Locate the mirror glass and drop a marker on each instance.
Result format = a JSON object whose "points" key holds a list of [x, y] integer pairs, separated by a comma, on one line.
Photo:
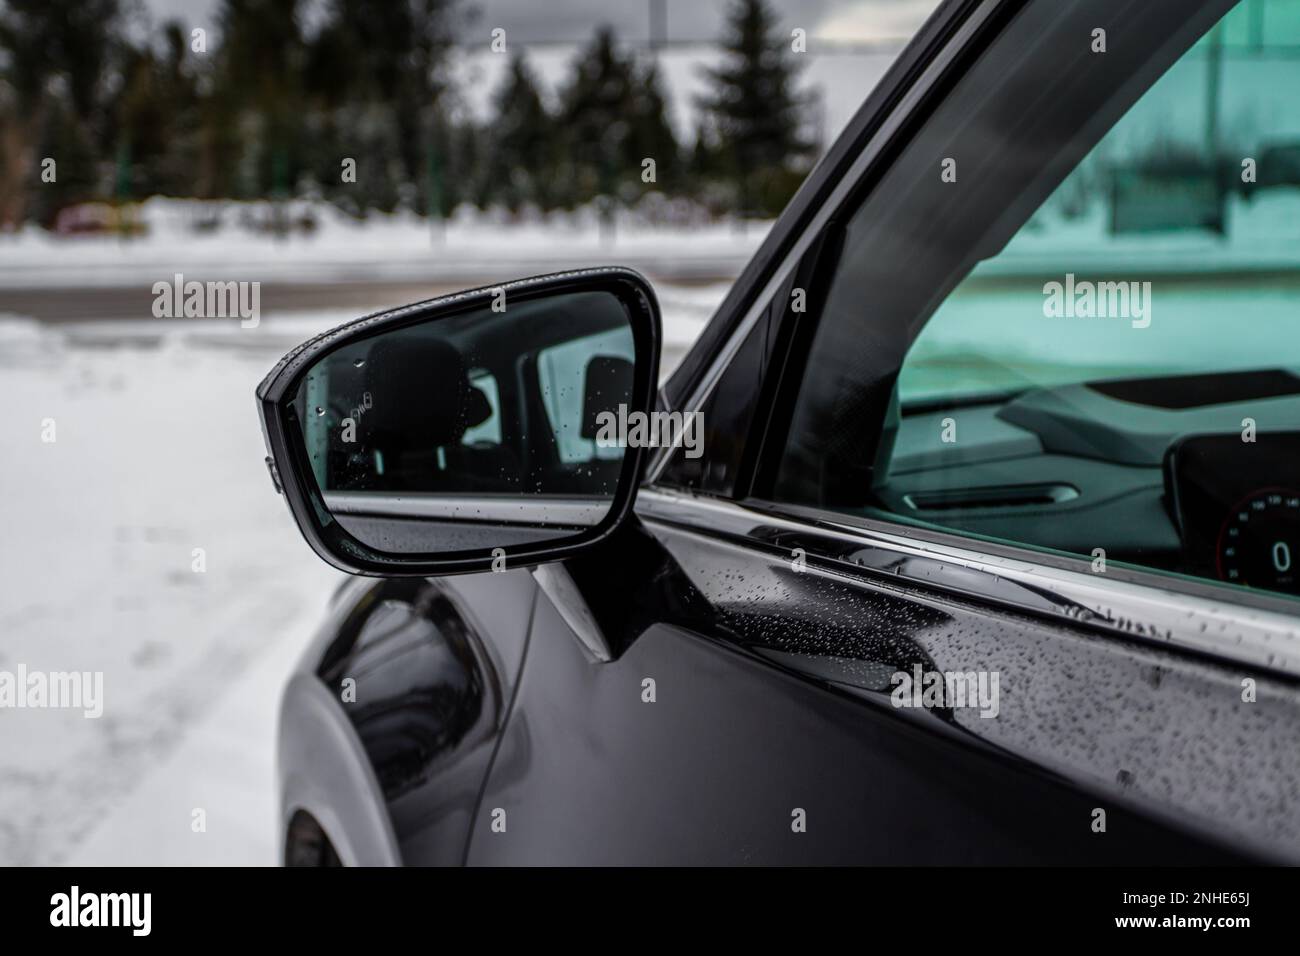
{"points": [[476, 430]]}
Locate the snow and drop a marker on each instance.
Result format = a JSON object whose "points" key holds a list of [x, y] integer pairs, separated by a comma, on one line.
{"points": [[383, 247], [157, 452]]}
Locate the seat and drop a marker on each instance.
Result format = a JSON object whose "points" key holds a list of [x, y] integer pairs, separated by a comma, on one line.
{"points": [[423, 403]]}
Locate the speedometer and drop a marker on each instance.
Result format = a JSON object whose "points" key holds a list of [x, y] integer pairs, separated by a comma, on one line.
{"points": [[1259, 543]]}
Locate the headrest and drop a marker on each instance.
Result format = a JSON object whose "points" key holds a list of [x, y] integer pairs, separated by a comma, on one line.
{"points": [[420, 394], [608, 385]]}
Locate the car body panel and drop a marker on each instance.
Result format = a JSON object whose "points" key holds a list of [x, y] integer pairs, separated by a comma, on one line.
{"points": [[305, 781], [433, 665], [772, 694], [773, 645]]}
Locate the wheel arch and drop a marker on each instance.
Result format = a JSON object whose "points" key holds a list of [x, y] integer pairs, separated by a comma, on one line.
{"points": [[325, 774]]}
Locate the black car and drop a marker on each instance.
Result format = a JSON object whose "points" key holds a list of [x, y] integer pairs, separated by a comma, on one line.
{"points": [[963, 534]]}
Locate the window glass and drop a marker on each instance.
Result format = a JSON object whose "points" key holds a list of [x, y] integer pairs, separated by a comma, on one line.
{"points": [[1087, 337], [1164, 200], [489, 431], [562, 371], [453, 406]]}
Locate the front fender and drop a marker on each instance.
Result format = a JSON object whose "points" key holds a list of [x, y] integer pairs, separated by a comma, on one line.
{"points": [[388, 727], [324, 771]]}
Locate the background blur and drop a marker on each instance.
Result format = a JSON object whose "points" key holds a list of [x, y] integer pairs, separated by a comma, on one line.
{"points": [[133, 148]]}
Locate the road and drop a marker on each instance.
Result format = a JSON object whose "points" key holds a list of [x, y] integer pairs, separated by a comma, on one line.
{"points": [[135, 301]]}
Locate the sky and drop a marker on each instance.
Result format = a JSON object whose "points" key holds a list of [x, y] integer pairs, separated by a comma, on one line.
{"points": [[573, 20]]}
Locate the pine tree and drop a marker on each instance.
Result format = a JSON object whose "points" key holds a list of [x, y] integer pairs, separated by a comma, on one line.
{"points": [[64, 137], [595, 111], [613, 116], [523, 137], [78, 42], [461, 150], [57, 59], [260, 92], [756, 114], [156, 116], [651, 135], [384, 56]]}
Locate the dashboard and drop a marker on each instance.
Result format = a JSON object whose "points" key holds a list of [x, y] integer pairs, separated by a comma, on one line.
{"points": [[1158, 472], [1237, 505]]}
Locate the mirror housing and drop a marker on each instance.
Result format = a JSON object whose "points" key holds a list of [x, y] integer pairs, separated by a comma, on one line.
{"points": [[457, 435]]}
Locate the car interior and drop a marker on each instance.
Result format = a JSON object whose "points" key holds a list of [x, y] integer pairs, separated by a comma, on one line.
{"points": [[1158, 472], [941, 390]]}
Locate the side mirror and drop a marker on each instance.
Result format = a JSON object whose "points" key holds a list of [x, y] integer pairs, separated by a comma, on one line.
{"points": [[470, 432]]}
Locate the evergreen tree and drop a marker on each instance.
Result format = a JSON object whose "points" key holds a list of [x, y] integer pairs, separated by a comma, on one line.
{"points": [[706, 173], [66, 138], [259, 95], [651, 135], [756, 113], [386, 61], [595, 112], [613, 116], [58, 58], [157, 119], [15, 154], [75, 42], [523, 136], [461, 153]]}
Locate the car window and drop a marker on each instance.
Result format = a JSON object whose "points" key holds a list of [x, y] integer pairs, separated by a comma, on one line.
{"points": [[1069, 318], [488, 432], [562, 371], [1153, 207]]}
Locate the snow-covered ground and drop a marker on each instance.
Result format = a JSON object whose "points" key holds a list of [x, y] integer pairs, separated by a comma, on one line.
{"points": [[156, 452], [471, 246]]}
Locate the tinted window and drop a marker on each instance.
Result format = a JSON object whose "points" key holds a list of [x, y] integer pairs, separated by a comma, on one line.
{"points": [[1068, 317]]}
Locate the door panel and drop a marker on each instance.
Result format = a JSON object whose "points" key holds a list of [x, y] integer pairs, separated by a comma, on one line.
{"points": [[774, 680], [773, 694]]}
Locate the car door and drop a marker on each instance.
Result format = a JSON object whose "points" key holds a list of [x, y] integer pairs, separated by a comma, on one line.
{"points": [[758, 671]]}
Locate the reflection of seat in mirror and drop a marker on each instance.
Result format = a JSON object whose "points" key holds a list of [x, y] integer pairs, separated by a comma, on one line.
{"points": [[423, 403]]}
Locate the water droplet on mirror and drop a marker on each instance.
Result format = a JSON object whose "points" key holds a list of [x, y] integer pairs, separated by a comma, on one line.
{"points": [[359, 363], [319, 410]]}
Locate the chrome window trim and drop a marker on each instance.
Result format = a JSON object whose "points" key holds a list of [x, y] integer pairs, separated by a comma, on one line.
{"points": [[704, 386], [1254, 637]]}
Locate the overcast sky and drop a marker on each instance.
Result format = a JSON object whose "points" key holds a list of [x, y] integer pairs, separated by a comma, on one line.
{"points": [[573, 20]]}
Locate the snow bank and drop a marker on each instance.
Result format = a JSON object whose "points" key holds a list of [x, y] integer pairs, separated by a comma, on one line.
{"points": [[340, 248]]}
